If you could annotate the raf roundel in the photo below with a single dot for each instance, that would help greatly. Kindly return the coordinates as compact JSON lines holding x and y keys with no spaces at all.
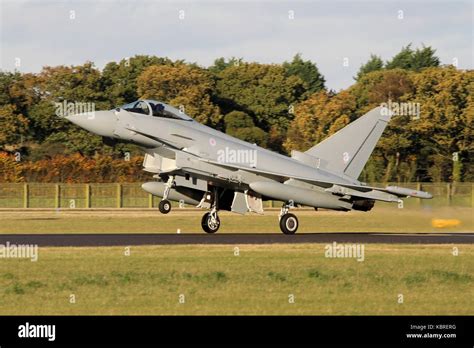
{"x":346,"y":157}
{"x":212,"y":142}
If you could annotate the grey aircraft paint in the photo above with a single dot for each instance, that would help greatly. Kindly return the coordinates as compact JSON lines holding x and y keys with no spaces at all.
{"x":199,"y":165}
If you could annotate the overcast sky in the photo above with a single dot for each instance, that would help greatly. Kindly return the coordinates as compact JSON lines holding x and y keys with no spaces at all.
{"x":43,"y":33}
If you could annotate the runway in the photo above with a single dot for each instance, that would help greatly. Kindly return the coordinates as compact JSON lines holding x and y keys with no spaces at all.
{"x":90,"y":240}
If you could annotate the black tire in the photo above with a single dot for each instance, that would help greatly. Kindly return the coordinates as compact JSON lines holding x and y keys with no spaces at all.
{"x":206,"y":224}
{"x":164,"y":206}
{"x":289,"y":224}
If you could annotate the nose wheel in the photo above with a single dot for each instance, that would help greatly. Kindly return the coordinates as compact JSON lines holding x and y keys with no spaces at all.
{"x":165,"y":205}
{"x":210,"y":222}
{"x":288,"y":222}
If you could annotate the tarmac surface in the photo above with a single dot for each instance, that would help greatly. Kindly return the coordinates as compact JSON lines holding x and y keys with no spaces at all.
{"x":83,"y":240}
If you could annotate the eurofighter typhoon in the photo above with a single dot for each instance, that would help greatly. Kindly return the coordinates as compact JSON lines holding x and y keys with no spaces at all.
{"x":201,"y":166}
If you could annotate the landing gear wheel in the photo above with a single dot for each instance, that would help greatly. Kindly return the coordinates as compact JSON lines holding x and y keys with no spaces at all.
{"x":164,"y":206}
{"x":210,"y":224}
{"x":289,"y":223}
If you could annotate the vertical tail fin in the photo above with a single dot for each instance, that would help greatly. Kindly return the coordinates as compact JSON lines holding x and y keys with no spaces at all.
{"x":348,"y":150}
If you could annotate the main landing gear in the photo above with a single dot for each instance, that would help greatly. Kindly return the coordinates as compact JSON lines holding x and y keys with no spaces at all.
{"x":288,"y":221}
{"x":165,"y":205}
{"x":210,"y":222}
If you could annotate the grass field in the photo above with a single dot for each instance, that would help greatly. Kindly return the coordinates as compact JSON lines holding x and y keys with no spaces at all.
{"x":381,"y":219}
{"x":258,"y":281}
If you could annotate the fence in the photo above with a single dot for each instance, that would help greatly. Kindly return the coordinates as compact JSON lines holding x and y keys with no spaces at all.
{"x":131,"y":195}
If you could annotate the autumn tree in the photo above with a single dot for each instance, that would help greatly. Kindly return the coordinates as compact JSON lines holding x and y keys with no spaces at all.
{"x":443,"y":134}
{"x":318,"y":117}
{"x":402,"y":60}
{"x":120,"y":79}
{"x":410,"y":59}
{"x":7,"y":80}
{"x":13,"y":127}
{"x":380,"y":86}
{"x":424,"y":58}
{"x":435,"y":145}
{"x":221,"y":64}
{"x":64,"y":84}
{"x":263,"y":91}
{"x":183,"y":87}
{"x":282,"y":107}
{"x":307,"y":71}
{"x":392,"y":158}
{"x":241,"y":125}
{"x":373,"y":64}
{"x":67,"y":85}
{"x":10,"y":170}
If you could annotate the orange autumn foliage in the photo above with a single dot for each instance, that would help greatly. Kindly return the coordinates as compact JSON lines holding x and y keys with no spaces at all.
{"x":72,"y":169}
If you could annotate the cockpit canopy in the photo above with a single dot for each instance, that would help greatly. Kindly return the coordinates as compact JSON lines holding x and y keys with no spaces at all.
{"x":155,"y":108}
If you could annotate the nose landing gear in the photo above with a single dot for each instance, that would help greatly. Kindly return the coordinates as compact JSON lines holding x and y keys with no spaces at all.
{"x":288,"y":222}
{"x":165,"y":205}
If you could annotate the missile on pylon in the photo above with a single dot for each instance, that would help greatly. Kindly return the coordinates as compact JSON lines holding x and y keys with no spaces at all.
{"x":402,"y":191}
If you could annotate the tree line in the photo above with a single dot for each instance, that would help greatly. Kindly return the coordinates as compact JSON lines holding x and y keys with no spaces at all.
{"x":278,"y":106}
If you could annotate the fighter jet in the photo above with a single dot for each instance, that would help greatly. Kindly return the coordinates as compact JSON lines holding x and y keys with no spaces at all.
{"x":198,"y":165}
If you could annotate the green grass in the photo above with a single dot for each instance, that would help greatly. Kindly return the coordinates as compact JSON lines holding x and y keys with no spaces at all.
{"x":258,"y":281}
{"x":381,"y":219}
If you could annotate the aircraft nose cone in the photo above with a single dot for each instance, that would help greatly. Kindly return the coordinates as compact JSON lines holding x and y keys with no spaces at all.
{"x":98,"y":122}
